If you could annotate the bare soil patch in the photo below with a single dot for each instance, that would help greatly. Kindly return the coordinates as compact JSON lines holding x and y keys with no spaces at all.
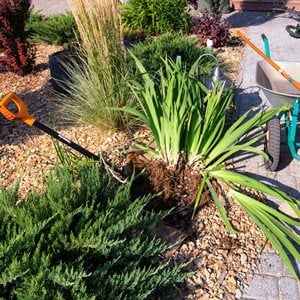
{"x":178,"y":185}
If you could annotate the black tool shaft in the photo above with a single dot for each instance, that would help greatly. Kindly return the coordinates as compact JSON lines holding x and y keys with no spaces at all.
{"x":64,"y":140}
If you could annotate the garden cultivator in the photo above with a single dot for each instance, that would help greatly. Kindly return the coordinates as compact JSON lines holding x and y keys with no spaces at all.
{"x":23,"y":115}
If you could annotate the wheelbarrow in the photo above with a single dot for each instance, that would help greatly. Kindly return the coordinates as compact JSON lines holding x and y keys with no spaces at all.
{"x":279,"y":91}
{"x":276,"y":79}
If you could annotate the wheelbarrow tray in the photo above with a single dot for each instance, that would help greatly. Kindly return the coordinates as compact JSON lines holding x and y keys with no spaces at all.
{"x":276,"y":88}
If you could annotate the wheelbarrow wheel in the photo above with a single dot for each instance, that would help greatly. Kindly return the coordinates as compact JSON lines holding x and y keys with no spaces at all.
{"x":272,"y":144}
{"x":294,"y":31}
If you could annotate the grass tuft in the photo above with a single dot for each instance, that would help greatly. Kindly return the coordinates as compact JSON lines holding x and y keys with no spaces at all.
{"x":97,"y":77}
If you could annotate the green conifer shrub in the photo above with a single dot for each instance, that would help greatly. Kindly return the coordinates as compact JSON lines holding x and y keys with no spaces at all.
{"x":58,"y":29}
{"x":152,"y":52}
{"x":81,"y":239}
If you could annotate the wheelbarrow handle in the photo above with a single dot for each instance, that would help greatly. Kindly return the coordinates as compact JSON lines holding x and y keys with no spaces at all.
{"x":295,"y":83}
{"x":22,"y":113}
{"x":266,"y":44}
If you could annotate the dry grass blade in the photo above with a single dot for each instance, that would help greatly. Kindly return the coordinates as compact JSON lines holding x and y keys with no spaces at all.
{"x":100,"y":29}
{"x":98,"y":85}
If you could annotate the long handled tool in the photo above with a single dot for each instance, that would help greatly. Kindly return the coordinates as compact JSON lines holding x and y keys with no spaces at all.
{"x":270,"y":61}
{"x":23,"y":115}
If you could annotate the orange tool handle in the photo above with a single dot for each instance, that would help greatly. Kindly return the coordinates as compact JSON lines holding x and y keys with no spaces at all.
{"x":22,"y":113}
{"x":270,"y":61}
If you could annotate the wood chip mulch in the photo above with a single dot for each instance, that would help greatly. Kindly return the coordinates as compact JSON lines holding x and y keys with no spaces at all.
{"x":223,"y":263}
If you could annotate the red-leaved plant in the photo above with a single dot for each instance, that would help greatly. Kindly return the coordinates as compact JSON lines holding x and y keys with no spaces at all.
{"x":211,"y":26}
{"x":19,"y":54}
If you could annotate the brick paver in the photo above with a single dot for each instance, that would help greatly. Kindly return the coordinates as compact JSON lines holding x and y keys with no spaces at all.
{"x":263,"y":287}
{"x":288,"y":288}
{"x":49,"y":7}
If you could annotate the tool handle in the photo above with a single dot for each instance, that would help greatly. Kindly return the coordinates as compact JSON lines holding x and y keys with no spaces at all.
{"x":266,"y":44}
{"x":22,"y":112}
{"x":295,"y":83}
{"x":66,"y":141}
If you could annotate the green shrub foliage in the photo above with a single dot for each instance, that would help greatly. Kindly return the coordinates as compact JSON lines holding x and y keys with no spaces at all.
{"x":59,"y":29}
{"x":189,"y":120}
{"x":152,"y":52}
{"x":156,"y":16}
{"x":81,"y":239}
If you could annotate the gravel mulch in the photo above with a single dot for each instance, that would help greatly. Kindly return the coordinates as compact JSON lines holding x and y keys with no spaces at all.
{"x":223,"y":263}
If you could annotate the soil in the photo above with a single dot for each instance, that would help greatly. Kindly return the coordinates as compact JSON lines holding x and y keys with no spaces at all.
{"x":178,"y":185}
{"x":223,"y":263}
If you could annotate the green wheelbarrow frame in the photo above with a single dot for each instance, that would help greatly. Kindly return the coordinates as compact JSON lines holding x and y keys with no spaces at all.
{"x":272,"y":84}
{"x":291,"y":121}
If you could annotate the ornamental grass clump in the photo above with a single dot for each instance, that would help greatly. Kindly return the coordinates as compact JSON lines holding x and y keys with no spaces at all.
{"x":188,"y":123}
{"x":97,"y":76}
{"x":83,"y":238}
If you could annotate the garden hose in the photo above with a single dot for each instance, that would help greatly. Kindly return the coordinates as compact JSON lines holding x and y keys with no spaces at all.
{"x":269,"y":60}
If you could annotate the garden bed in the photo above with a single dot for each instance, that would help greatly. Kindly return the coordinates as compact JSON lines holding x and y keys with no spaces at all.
{"x":223,"y":262}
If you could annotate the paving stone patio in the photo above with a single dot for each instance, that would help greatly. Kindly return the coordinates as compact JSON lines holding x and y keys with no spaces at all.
{"x":50,"y":7}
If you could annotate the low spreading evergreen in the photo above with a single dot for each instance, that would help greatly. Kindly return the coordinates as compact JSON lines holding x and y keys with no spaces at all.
{"x":152,"y":53}
{"x":81,"y":239}
{"x":58,"y":29}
